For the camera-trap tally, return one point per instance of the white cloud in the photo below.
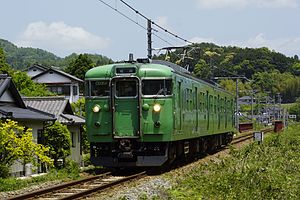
(60, 38)
(287, 46)
(162, 21)
(214, 4)
(200, 39)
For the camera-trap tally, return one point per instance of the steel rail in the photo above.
(56, 187)
(249, 136)
(101, 187)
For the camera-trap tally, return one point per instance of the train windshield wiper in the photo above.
(159, 92)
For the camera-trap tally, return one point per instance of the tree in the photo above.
(16, 143)
(58, 140)
(23, 82)
(203, 70)
(27, 87)
(80, 66)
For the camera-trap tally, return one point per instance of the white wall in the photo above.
(52, 78)
(33, 71)
(75, 151)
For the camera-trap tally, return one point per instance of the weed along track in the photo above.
(78, 189)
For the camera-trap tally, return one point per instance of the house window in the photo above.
(75, 90)
(41, 138)
(60, 89)
(73, 137)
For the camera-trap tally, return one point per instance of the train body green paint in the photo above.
(144, 114)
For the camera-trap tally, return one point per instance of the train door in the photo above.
(126, 108)
(219, 111)
(196, 107)
(207, 109)
(179, 92)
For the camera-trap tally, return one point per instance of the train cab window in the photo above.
(100, 88)
(126, 89)
(157, 87)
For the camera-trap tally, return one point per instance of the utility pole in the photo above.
(149, 38)
(236, 78)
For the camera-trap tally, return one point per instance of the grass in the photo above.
(270, 170)
(71, 172)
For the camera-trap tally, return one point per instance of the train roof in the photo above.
(146, 68)
(142, 69)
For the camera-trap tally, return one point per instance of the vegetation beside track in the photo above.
(270, 170)
(70, 172)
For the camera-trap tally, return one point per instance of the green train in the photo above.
(150, 112)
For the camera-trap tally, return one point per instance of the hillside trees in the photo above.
(20, 58)
(24, 84)
(16, 143)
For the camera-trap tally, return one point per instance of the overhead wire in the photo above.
(167, 31)
(135, 22)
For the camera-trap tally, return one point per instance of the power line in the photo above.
(122, 14)
(130, 19)
(137, 12)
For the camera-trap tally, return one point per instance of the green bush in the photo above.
(4, 170)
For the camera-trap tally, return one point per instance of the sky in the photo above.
(89, 26)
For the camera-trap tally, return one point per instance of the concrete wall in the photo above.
(76, 143)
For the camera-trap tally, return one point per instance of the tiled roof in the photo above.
(6, 83)
(59, 106)
(24, 114)
(16, 109)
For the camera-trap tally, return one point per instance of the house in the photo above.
(57, 81)
(61, 108)
(13, 107)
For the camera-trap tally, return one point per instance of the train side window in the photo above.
(100, 88)
(157, 87)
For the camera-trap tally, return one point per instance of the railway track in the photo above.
(80, 188)
(249, 136)
(87, 186)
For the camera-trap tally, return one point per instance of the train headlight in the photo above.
(96, 108)
(156, 107)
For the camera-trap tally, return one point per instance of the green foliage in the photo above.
(78, 107)
(72, 168)
(271, 71)
(203, 70)
(28, 87)
(16, 143)
(10, 184)
(58, 140)
(267, 171)
(24, 84)
(20, 58)
(80, 66)
(295, 109)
